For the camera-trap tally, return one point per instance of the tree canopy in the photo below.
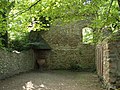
(20, 15)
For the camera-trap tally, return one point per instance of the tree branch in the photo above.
(110, 7)
(26, 9)
(108, 12)
(33, 5)
(119, 3)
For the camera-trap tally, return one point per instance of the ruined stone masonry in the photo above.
(67, 47)
(12, 63)
(108, 62)
(61, 48)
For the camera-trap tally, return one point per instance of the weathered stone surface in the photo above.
(67, 36)
(12, 63)
(67, 47)
(110, 57)
(63, 59)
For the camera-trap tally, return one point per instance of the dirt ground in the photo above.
(52, 80)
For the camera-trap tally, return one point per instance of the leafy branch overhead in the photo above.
(20, 16)
(24, 11)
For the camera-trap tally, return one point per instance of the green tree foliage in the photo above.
(5, 7)
(20, 16)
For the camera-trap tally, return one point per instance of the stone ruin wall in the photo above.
(109, 53)
(12, 63)
(67, 47)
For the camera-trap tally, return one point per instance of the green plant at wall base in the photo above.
(79, 67)
(24, 15)
(76, 66)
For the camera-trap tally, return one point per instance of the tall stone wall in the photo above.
(68, 36)
(67, 47)
(81, 58)
(108, 63)
(114, 62)
(12, 63)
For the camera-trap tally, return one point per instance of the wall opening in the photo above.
(87, 34)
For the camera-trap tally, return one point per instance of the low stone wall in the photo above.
(81, 58)
(12, 63)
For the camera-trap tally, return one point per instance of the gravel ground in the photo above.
(52, 80)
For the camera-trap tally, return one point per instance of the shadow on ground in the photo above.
(52, 80)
